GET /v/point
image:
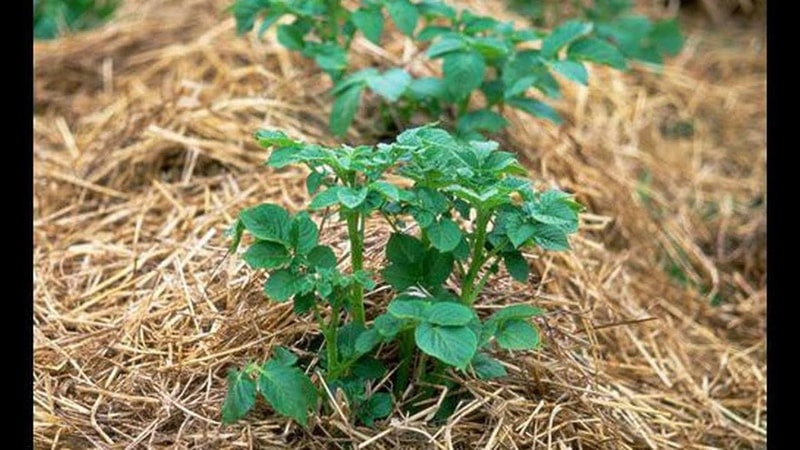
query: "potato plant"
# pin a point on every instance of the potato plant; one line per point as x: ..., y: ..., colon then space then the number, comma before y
x: 53, y: 17
x: 467, y: 210
x: 487, y: 65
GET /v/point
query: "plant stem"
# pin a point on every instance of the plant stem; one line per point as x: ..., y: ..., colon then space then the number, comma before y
x: 468, y: 292
x: 356, y: 235
x: 406, y: 353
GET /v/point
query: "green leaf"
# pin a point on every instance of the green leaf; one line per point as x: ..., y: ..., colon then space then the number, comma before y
x: 444, y: 235
x: 572, y: 70
x: 370, y: 22
x: 322, y: 257
x: 313, y: 182
x: 535, y: 108
x: 455, y: 346
x: 481, y: 120
x: 431, y: 32
x: 303, y: 303
x: 304, y: 233
x: 344, y: 109
x: 235, y: 231
x: 288, y: 390
x: 426, y: 88
x: 517, y: 334
x: 449, y: 314
x: 550, y: 237
x: 266, y: 255
x: 241, y: 396
x: 388, y: 190
x: 401, y: 276
x: 598, y: 51
x: 352, y: 197
x: 267, y: 222
x: 367, y: 340
x: 283, y: 356
x: 463, y: 72
x: 368, y: 368
x: 390, y: 84
x: 515, y: 312
x: 563, y: 35
x: 436, y: 268
x: 518, y: 234
x: 291, y: 37
x: 403, y: 308
x: 404, y: 14
x: 269, y: 20
x: 387, y: 325
x: 329, y: 57
x: 491, y: 48
x: 517, y: 266
x: 269, y: 138
x: 282, y: 284
x: 446, y: 45
x: 666, y: 36
x: 486, y: 367
x: 326, y: 198
x: 378, y: 406
x: 404, y: 249
x: 346, y: 338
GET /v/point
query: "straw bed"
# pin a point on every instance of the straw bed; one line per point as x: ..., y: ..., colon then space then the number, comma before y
x: 654, y: 332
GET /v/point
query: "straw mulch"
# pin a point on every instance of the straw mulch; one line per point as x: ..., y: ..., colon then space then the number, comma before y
x: 654, y: 335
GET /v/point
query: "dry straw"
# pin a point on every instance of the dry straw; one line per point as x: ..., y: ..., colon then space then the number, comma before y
x: 143, y: 156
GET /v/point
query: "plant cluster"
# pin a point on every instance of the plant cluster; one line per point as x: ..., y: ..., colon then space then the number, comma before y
x: 487, y: 65
x: 635, y: 35
x: 54, y: 17
x: 459, y: 210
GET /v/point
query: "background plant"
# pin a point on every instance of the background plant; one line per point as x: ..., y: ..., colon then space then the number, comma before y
x: 479, y: 55
x: 54, y: 17
x: 635, y: 35
x: 474, y: 212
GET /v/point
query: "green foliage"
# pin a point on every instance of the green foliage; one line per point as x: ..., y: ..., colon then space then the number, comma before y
x: 632, y: 36
x: 477, y: 53
x: 54, y: 17
x: 474, y: 208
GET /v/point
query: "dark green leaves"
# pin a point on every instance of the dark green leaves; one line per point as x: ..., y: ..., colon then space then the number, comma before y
x: 444, y: 235
x: 267, y: 222
x: 282, y: 284
x: 288, y: 390
x: 463, y: 72
x: 563, y: 35
x: 412, y: 264
x: 404, y: 14
x: 486, y: 367
x: 449, y: 314
x: 452, y: 345
x: 370, y: 22
x: 598, y: 51
x: 266, y: 255
x: 352, y: 197
x: 517, y: 266
x: 391, y: 84
x: 240, y: 398
x: 517, y: 335
x: 378, y: 406
x: 344, y: 109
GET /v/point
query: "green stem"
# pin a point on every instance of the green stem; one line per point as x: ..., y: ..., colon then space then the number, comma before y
x: 406, y: 354
x: 329, y: 331
x: 355, y: 233
x: 468, y: 292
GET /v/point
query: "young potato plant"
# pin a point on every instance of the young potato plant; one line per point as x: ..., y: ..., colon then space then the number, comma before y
x: 469, y: 209
x: 53, y: 17
x: 635, y: 35
x: 508, y: 67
